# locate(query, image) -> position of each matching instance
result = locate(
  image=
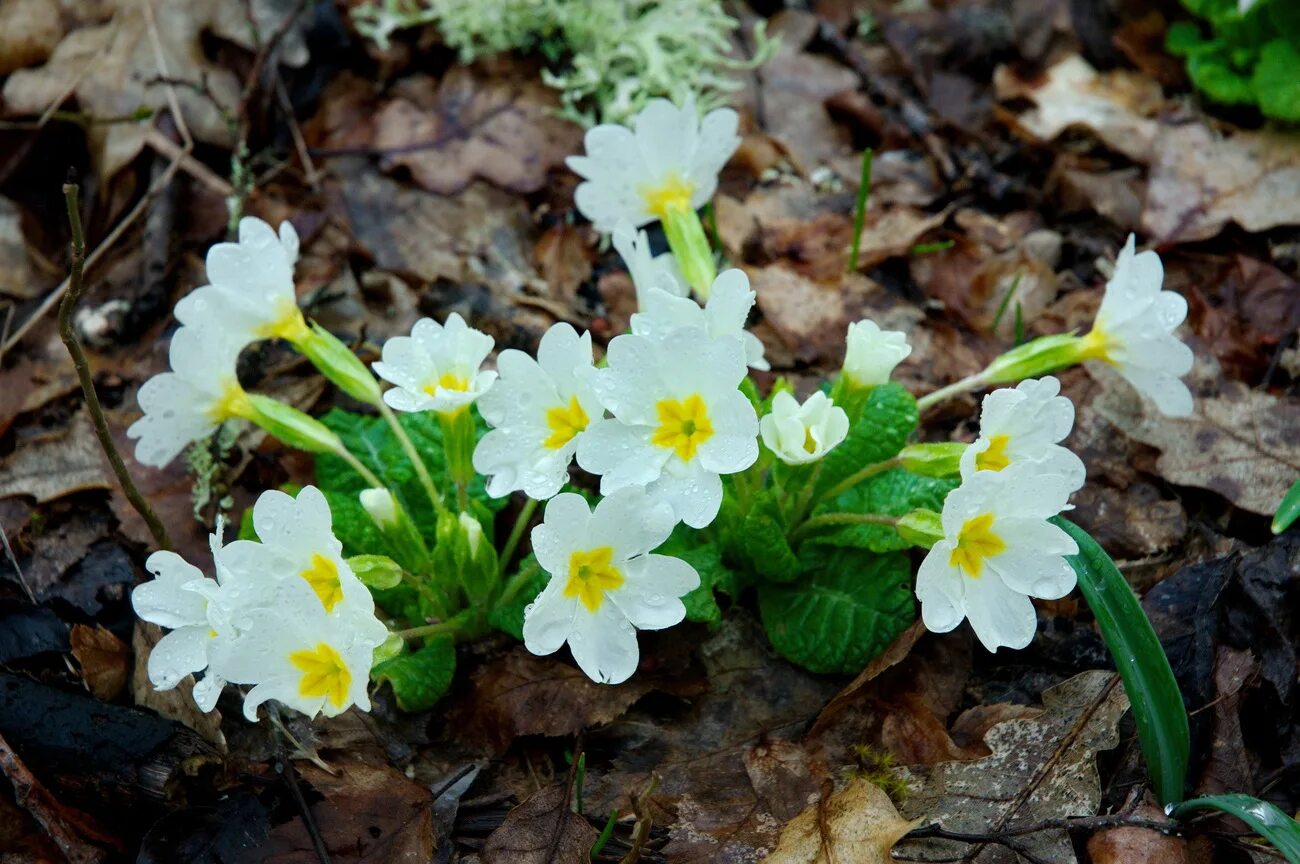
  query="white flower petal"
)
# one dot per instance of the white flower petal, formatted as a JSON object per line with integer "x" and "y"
{"x": 998, "y": 615}
{"x": 694, "y": 492}
{"x": 548, "y": 620}
{"x": 651, "y": 596}
{"x": 940, "y": 591}
{"x": 563, "y": 528}
{"x": 179, "y": 653}
{"x": 604, "y": 644}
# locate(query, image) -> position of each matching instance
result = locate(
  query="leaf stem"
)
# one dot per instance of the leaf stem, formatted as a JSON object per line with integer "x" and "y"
{"x": 408, "y": 447}
{"x": 356, "y": 465}
{"x": 517, "y": 582}
{"x": 970, "y": 382}
{"x": 832, "y": 519}
{"x": 860, "y": 210}
{"x": 852, "y": 480}
{"x": 448, "y": 628}
{"x": 71, "y": 195}
{"x": 517, "y": 532}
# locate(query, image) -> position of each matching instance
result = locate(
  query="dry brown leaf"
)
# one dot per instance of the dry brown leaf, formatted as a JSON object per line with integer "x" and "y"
{"x": 1117, "y": 106}
{"x": 494, "y": 120}
{"x": 33, "y": 381}
{"x": 1201, "y": 180}
{"x": 522, "y": 694}
{"x": 29, "y": 30}
{"x": 564, "y": 258}
{"x": 175, "y": 704}
{"x": 893, "y": 232}
{"x": 541, "y": 830}
{"x": 859, "y": 823}
{"x": 1241, "y": 444}
{"x": 56, "y": 464}
{"x": 810, "y": 317}
{"x": 1039, "y": 768}
{"x": 17, "y": 276}
{"x": 1138, "y": 845}
{"x": 105, "y": 660}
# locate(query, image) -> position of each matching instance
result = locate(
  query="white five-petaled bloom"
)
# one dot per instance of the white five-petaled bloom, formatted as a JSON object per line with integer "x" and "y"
{"x": 723, "y": 315}
{"x": 250, "y": 293}
{"x": 799, "y": 434}
{"x": 1134, "y": 331}
{"x": 1025, "y": 425}
{"x": 647, "y": 271}
{"x": 193, "y": 399}
{"x": 669, "y": 160}
{"x": 540, "y": 410}
{"x": 679, "y": 420}
{"x": 605, "y": 584}
{"x": 436, "y": 368}
{"x": 998, "y": 551}
{"x": 870, "y": 354}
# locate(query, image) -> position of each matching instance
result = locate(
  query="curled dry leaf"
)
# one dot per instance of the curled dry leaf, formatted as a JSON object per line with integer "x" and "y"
{"x": 56, "y": 464}
{"x": 105, "y": 660}
{"x": 1040, "y": 768}
{"x": 857, "y": 825}
{"x": 541, "y": 830}
{"x": 1137, "y": 845}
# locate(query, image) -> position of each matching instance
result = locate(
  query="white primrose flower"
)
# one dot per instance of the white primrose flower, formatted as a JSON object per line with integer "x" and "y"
{"x": 998, "y": 551}
{"x": 1134, "y": 331}
{"x": 540, "y": 410}
{"x": 799, "y": 434}
{"x": 250, "y": 293}
{"x": 669, "y": 160}
{"x": 1025, "y": 424}
{"x": 871, "y": 354}
{"x": 723, "y": 315}
{"x": 436, "y": 368}
{"x": 647, "y": 271}
{"x": 605, "y": 584}
{"x": 679, "y": 420}
{"x": 292, "y": 651}
{"x": 193, "y": 399}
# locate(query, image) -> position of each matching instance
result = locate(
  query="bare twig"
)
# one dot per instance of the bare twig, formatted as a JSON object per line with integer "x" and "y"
{"x": 284, "y": 765}
{"x": 70, "y": 298}
{"x": 641, "y": 830}
{"x": 13, "y": 562}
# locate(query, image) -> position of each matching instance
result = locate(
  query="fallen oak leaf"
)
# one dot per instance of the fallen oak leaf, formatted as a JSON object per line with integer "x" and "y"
{"x": 541, "y": 830}
{"x": 60, "y": 463}
{"x": 1040, "y": 768}
{"x": 857, "y": 825}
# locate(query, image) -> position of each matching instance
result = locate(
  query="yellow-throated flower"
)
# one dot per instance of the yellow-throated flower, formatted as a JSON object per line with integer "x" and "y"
{"x": 723, "y": 315}
{"x": 1134, "y": 332}
{"x": 998, "y": 550}
{"x": 1025, "y": 424}
{"x": 799, "y": 434}
{"x": 436, "y": 368}
{"x": 679, "y": 420}
{"x": 540, "y": 410}
{"x": 605, "y": 584}
{"x": 648, "y": 271}
{"x": 870, "y": 354}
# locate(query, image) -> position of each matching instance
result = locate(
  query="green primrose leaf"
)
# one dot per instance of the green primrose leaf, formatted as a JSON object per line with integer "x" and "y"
{"x": 1184, "y": 39}
{"x": 419, "y": 679}
{"x": 353, "y": 525}
{"x": 762, "y": 537}
{"x": 1157, "y": 703}
{"x": 1276, "y": 81}
{"x": 1289, "y": 510}
{"x": 1265, "y": 819}
{"x": 888, "y": 418}
{"x": 1214, "y": 76}
{"x": 844, "y": 610}
{"x": 892, "y": 493}
{"x": 508, "y": 617}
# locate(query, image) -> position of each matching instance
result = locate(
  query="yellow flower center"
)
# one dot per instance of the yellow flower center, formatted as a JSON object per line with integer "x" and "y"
{"x": 233, "y": 402}
{"x": 995, "y": 457}
{"x": 323, "y": 577}
{"x": 565, "y": 422}
{"x": 672, "y": 194}
{"x": 288, "y": 325}
{"x": 1097, "y": 345}
{"x": 683, "y": 425}
{"x": 591, "y": 575}
{"x": 975, "y": 542}
{"x": 447, "y": 381}
{"x": 323, "y": 674}
{"x": 809, "y": 442}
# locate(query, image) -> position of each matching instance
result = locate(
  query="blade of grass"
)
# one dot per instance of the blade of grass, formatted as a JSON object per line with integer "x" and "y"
{"x": 1006, "y": 300}
{"x": 1149, "y": 681}
{"x": 931, "y": 248}
{"x": 605, "y": 834}
{"x": 1289, "y": 510}
{"x": 860, "y": 209}
{"x": 1265, "y": 819}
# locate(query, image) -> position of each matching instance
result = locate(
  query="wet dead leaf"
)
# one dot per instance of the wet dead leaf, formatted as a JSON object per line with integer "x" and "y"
{"x": 1137, "y": 845}
{"x": 29, "y": 30}
{"x": 564, "y": 257}
{"x": 105, "y": 660}
{"x": 55, "y": 464}
{"x": 494, "y": 120}
{"x": 18, "y": 278}
{"x": 1241, "y": 444}
{"x": 1039, "y": 768}
{"x": 522, "y": 694}
{"x": 541, "y": 830}
{"x": 810, "y": 317}
{"x": 1201, "y": 180}
{"x": 175, "y": 704}
{"x": 858, "y": 825}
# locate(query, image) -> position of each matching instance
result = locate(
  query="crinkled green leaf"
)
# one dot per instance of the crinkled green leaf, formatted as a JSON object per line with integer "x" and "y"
{"x": 888, "y": 418}
{"x": 509, "y": 617}
{"x": 762, "y": 537}
{"x": 1184, "y": 39}
{"x": 1213, "y": 76}
{"x": 892, "y": 493}
{"x": 1277, "y": 81}
{"x": 419, "y": 679}
{"x": 353, "y": 525}
{"x": 705, "y": 556}
{"x": 844, "y": 611}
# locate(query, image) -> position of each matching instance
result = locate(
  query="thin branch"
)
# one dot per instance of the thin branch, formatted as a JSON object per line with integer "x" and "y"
{"x": 71, "y": 196}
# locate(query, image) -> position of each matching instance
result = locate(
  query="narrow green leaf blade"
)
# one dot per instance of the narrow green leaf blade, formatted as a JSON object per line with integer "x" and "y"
{"x": 1289, "y": 510}
{"x": 1149, "y": 681}
{"x": 1265, "y": 819}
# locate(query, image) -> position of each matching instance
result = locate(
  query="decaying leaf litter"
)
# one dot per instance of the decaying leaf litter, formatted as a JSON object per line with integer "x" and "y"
{"x": 1015, "y": 147}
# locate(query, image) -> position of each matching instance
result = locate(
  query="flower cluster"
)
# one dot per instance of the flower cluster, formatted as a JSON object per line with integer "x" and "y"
{"x": 285, "y": 616}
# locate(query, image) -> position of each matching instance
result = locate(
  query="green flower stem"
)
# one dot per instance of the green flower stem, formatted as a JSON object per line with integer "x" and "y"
{"x": 804, "y": 502}
{"x": 854, "y": 479}
{"x": 831, "y": 519}
{"x": 690, "y": 245}
{"x": 517, "y": 532}
{"x": 355, "y": 464}
{"x": 435, "y": 598}
{"x": 408, "y": 447}
{"x": 517, "y": 583}
{"x": 1265, "y": 819}
{"x": 971, "y": 382}
{"x": 458, "y": 440}
{"x": 463, "y": 621}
